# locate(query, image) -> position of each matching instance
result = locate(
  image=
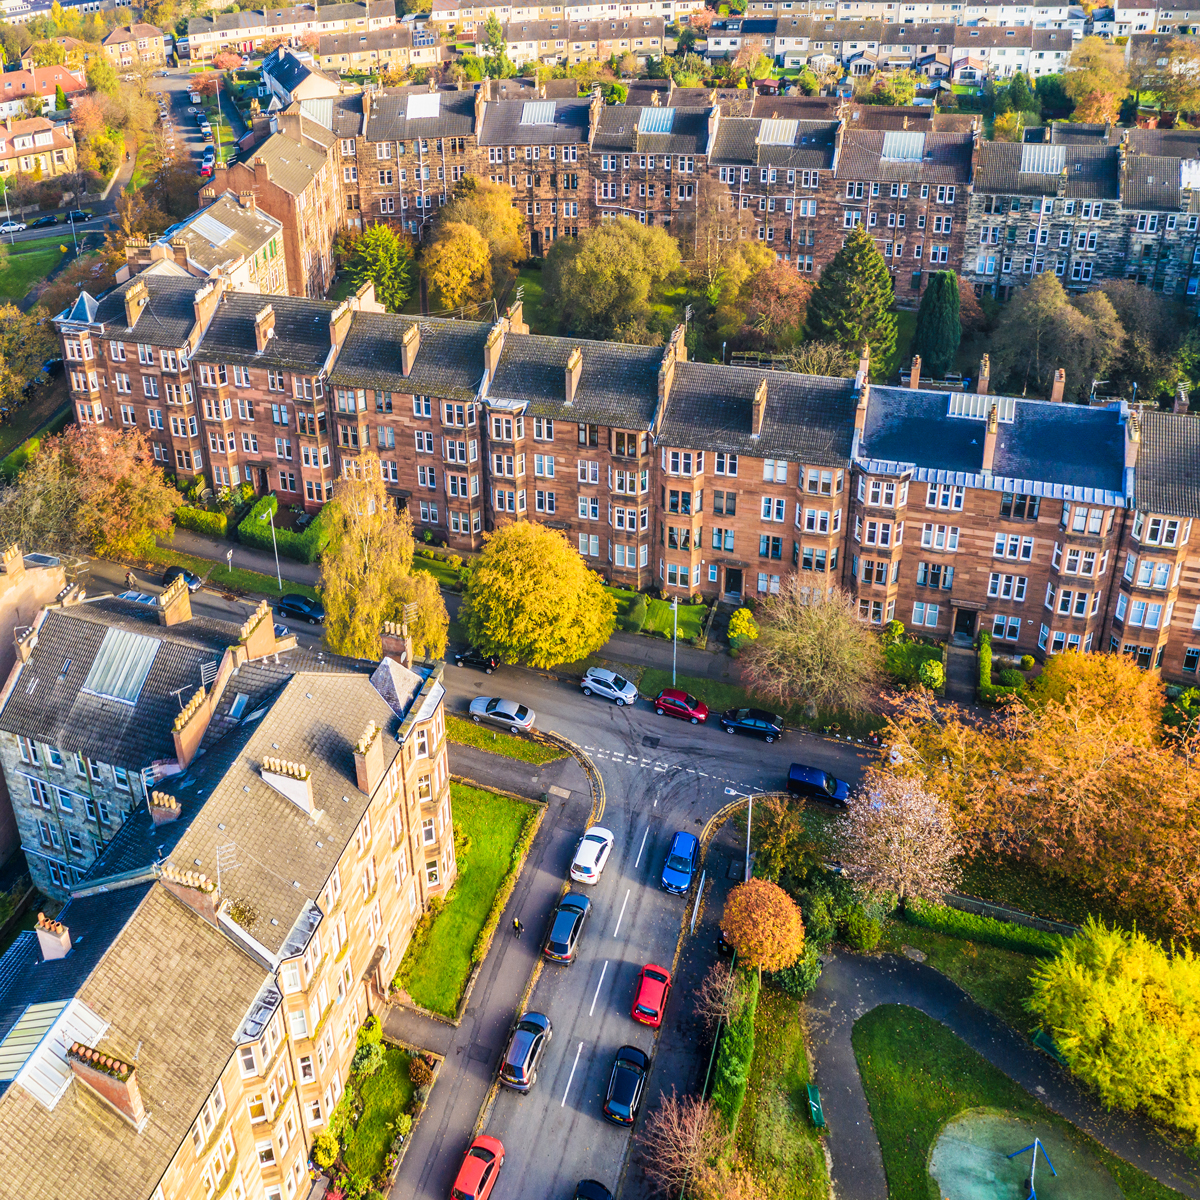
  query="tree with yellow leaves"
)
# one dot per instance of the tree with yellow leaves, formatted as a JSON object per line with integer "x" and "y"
{"x": 458, "y": 266}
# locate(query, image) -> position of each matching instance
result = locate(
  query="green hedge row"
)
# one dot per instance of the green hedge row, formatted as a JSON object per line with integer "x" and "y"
{"x": 989, "y": 693}
{"x": 956, "y": 923}
{"x": 734, "y": 1057}
{"x": 202, "y": 521}
{"x": 255, "y": 530}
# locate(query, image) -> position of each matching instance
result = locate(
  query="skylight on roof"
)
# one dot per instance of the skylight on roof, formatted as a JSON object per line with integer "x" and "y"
{"x": 1042, "y": 160}
{"x": 902, "y": 145}
{"x": 422, "y": 105}
{"x": 212, "y": 230}
{"x": 976, "y": 408}
{"x": 656, "y": 120}
{"x": 775, "y": 132}
{"x": 537, "y": 112}
{"x": 121, "y": 666}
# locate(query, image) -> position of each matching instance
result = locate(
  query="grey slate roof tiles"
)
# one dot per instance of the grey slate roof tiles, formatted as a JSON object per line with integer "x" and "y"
{"x": 504, "y": 125}
{"x": 946, "y": 158}
{"x": 1091, "y": 172}
{"x": 166, "y": 320}
{"x": 389, "y": 122}
{"x": 1151, "y": 182}
{"x": 301, "y": 338}
{"x": 1167, "y": 479}
{"x": 619, "y": 131}
{"x": 292, "y": 166}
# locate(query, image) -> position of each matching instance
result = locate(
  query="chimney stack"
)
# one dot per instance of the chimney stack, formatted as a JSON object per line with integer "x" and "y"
{"x": 864, "y": 361}
{"x": 194, "y": 889}
{"x": 985, "y": 375}
{"x": 1133, "y": 439}
{"x": 862, "y": 391}
{"x": 369, "y": 765}
{"x": 573, "y": 373}
{"x": 111, "y": 1080}
{"x": 256, "y": 635}
{"x": 206, "y": 299}
{"x": 248, "y": 200}
{"x": 175, "y": 602}
{"x": 396, "y": 643}
{"x": 189, "y": 727}
{"x": 914, "y": 374}
{"x": 1058, "y": 387}
{"x": 989, "y": 438}
{"x": 339, "y": 324}
{"x": 12, "y": 563}
{"x": 494, "y": 347}
{"x": 1182, "y": 400}
{"x": 760, "y": 408}
{"x": 163, "y": 808}
{"x": 290, "y": 779}
{"x": 54, "y": 938}
{"x": 137, "y": 296}
{"x": 410, "y": 343}
{"x": 264, "y": 326}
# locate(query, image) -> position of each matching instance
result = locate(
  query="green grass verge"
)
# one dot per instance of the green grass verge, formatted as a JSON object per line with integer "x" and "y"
{"x": 775, "y": 1136}
{"x": 1021, "y": 885}
{"x": 466, "y": 733}
{"x": 385, "y": 1095}
{"x": 436, "y": 965}
{"x": 24, "y": 263}
{"x": 443, "y": 572}
{"x": 917, "y": 1075}
{"x": 239, "y": 579}
{"x": 997, "y": 979}
{"x": 659, "y": 617}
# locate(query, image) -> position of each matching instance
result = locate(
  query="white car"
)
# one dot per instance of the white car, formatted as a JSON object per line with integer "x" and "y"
{"x": 609, "y": 684}
{"x": 11, "y": 226}
{"x": 514, "y": 716}
{"x": 591, "y": 854}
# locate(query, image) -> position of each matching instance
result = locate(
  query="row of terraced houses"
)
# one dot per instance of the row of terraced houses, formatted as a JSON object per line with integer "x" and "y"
{"x": 1055, "y": 526}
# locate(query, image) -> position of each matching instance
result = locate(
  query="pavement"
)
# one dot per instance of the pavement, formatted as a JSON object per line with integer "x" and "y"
{"x": 852, "y": 984}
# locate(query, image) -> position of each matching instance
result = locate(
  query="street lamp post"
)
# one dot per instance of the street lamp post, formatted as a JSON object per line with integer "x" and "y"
{"x": 749, "y": 817}
{"x": 7, "y": 215}
{"x": 675, "y": 636}
{"x": 274, "y": 546}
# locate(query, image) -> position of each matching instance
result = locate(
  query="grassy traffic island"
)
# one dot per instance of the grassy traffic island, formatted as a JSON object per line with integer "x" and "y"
{"x": 492, "y": 835}
{"x": 922, "y": 1081}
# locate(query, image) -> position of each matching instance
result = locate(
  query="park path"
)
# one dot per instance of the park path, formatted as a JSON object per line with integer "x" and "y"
{"x": 853, "y": 984}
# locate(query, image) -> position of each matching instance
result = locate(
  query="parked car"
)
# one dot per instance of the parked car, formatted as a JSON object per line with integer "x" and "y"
{"x": 566, "y": 927}
{"x": 681, "y": 863}
{"x": 516, "y": 717}
{"x": 12, "y": 226}
{"x": 591, "y": 1189}
{"x": 601, "y": 682}
{"x": 591, "y": 854}
{"x": 302, "y": 608}
{"x": 194, "y": 582}
{"x": 650, "y": 998}
{"x": 43, "y": 222}
{"x": 471, "y": 657}
{"x": 78, "y": 214}
{"x": 626, "y": 1085}
{"x": 480, "y": 1168}
{"x": 206, "y": 170}
{"x": 675, "y": 702}
{"x": 529, "y": 1038}
{"x": 816, "y": 784}
{"x": 755, "y": 721}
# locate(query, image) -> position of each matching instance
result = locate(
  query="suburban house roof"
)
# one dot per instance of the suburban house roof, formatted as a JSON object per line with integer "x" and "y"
{"x": 131, "y": 33}
{"x": 222, "y": 232}
{"x": 1167, "y": 479}
{"x": 300, "y": 337}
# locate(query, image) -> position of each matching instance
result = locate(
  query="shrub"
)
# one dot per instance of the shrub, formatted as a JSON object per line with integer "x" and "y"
{"x": 736, "y": 1052}
{"x": 368, "y": 1058}
{"x": 419, "y": 1071}
{"x": 932, "y": 674}
{"x": 861, "y": 931}
{"x": 202, "y": 521}
{"x": 305, "y": 546}
{"x": 819, "y": 925}
{"x": 402, "y": 1125}
{"x": 989, "y": 693}
{"x": 893, "y": 631}
{"x": 801, "y": 977}
{"x": 742, "y": 626}
{"x": 371, "y": 1031}
{"x": 636, "y": 620}
{"x": 953, "y": 922}
{"x": 1011, "y": 677}
{"x": 1028, "y": 662}
{"x": 325, "y": 1149}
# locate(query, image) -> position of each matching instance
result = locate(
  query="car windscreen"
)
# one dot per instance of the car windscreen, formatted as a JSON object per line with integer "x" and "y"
{"x": 830, "y": 784}
{"x": 679, "y": 862}
{"x": 619, "y": 684}
{"x": 691, "y": 701}
{"x": 492, "y": 704}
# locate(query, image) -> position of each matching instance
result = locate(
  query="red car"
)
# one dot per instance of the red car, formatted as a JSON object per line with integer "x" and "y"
{"x": 650, "y": 1000}
{"x": 674, "y": 702}
{"x": 480, "y": 1169}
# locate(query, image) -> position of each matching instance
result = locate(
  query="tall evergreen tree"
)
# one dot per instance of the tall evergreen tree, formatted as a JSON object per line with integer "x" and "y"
{"x": 939, "y": 329}
{"x": 1020, "y": 95}
{"x": 60, "y": 98}
{"x": 851, "y": 303}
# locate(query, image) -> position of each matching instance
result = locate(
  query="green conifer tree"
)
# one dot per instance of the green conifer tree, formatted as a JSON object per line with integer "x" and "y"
{"x": 60, "y": 98}
{"x": 851, "y": 303}
{"x": 938, "y": 327}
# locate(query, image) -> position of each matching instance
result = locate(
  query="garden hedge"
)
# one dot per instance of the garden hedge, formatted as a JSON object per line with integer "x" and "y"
{"x": 1007, "y": 936}
{"x": 305, "y": 547}
{"x": 989, "y": 693}
{"x": 734, "y": 1057}
{"x": 202, "y": 521}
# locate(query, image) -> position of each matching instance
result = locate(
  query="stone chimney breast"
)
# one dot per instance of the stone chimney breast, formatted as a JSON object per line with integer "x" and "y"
{"x": 54, "y": 938}
{"x": 573, "y": 373}
{"x": 264, "y": 326}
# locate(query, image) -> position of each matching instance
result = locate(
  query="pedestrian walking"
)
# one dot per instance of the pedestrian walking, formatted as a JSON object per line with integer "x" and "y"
{"x": 518, "y": 928}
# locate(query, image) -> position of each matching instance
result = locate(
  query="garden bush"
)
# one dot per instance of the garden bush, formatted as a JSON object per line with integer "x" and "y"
{"x": 932, "y": 674}
{"x": 368, "y": 1058}
{"x": 214, "y": 524}
{"x": 325, "y": 1149}
{"x": 988, "y": 692}
{"x": 636, "y": 620}
{"x": 419, "y": 1071}
{"x": 305, "y": 546}
{"x": 953, "y": 922}
{"x": 1028, "y": 662}
{"x": 860, "y": 930}
{"x": 734, "y": 1056}
{"x": 1011, "y": 677}
{"x": 801, "y": 977}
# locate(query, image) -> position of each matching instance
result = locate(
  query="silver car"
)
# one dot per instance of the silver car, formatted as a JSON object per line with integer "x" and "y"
{"x": 515, "y": 717}
{"x": 610, "y": 685}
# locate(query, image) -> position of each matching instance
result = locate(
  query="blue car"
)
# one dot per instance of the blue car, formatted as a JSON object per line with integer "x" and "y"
{"x": 681, "y": 863}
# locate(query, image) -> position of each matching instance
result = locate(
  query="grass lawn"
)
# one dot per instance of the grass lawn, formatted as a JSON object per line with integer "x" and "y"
{"x": 659, "y": 618}
{"x": 237, "y": 580}
{"x": 385, "y": 1095}
{"x": 50, "y": 406}
{"x": 1023, "y": 886}
{"x": 534, "y": 301}
{"x": 466, "y": 733}
{"x": 443, "y": 572}
{"x": 436, "y": 965}
{"x": 27, "y": 263}
{"x": 898, "y": 360}
{"x": 997, "y": 979}
{"x": 917, "y": 1075}
{"x": 774, "y": 1134}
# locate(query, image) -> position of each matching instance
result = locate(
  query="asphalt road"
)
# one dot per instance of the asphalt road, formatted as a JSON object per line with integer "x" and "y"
{"x": 660, "y": 775}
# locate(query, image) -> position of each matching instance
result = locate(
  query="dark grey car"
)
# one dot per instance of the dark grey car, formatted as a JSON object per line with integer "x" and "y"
{"x": 526, "y": 1043}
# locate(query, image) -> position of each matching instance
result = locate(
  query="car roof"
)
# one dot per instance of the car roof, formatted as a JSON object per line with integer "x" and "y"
{"x": 575, "y": 902}
{"x": 590, "y": 849}
{"x": 592, "y": 1189}
{"x": 800, "y": 771}
{"x": 633, "y": 1054}
{"x": 683, "y": 839}
{"x": 674, "y": 694}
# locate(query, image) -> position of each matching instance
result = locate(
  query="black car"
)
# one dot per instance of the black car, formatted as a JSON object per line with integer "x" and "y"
{"x": 42, "y": 222}
{"x": 626, "y": 1085}
{"x": 526, "y": 1043}
{"x": 76, "y": 215}
{"x": 301, "y": 607}
{"x": 755, "y": 721}
{"x": 567, "y": 924}
{"x": 194, "y": 582}
{"x": 816, "y": 784}
{"x": 476, "y": 658}
{"x": 591, "y": 1189}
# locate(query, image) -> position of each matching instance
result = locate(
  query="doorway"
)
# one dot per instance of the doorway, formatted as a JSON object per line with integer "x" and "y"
{"x": 733, "y": 582}
{"x": 964, "y": 624}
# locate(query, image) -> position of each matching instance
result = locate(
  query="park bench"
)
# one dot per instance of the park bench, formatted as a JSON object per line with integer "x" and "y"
{"x": 814, "y": 1107}
{"x": 1045, "y": 1043}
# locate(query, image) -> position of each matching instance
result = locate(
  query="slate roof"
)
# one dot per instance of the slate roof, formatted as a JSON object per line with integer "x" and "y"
{"x": 449, "y": 361}
{"x": 808, "y": 418}
{"x": 292, "y": 166}
{"x": 1083, "y": 133}
{"x": 1055, "y": 446}
{"x": 973, "y": 37}
{"x": 289, "y": 71}
{"x": 1184, "y": 143}
{"x": 257, "y": 18}
{"x": 800, "y": 108}
{"x": 618, "y": 386}
{"x": 1151, "y": 182}
{"x": 733, "y": 102}
{"x": 619, "y": 130}
{"x": 1167, "y": 479}
{"x": 47, "y": 704}
{"x": 223, "y": 231}
{"x": 166, "y": 320}
{"x": 392, "y": 37}
{"x": 916, "y": 36}
{"x": 946, "y": 158}
{"x": 131, "y": 33}
{"x": 737, "y": 141}
{"x": 1091, "y": 172}
{"x": 388, "y": 120}
{"x": 342, "y": 115}
{"x": 301, "y": 338}
{"x": 502, "y": 124}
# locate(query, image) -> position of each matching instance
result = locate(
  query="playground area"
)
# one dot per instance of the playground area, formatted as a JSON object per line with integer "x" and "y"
{"x": 978, "y": 1156}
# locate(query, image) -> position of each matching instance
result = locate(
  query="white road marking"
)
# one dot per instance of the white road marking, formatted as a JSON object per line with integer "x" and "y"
{"x": 571, "y": 1076}
{"x": 641, "y": 848}
{"x": 622, "y": 915}
{"x": 594, "y": 998}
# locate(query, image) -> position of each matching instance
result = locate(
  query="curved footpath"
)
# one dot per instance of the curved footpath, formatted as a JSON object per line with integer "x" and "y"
{"x": 852, "y": 984}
